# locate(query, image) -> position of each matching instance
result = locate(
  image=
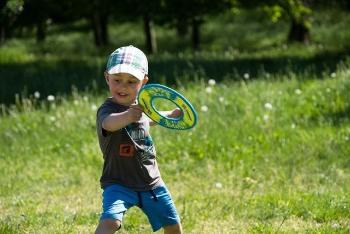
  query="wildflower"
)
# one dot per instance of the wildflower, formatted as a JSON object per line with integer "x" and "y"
{"x": 268, "y": 106}
{"x": 76, "y": 102}
{"x": 211, "y": 82}
{"x": 333, "y": 74}
{"x": 221, "y": 99}
{"x": 208, "y": 89}
{"x": 292, "y": 126}
{"x": 298, "y": 91}
{"x": 36, "y": 94}
{"x": 335, "y": 225}
{"x": 93, "y": 107}
{"x": 204, "y": 108}
{"x": 52, "y": 118}
{"x": 218, "y": 185}
{"x": 51, "y": 98}
{"x": 250, "y": 180}
{"x": 246, "y": 76}
{"x": 266, "y": 117}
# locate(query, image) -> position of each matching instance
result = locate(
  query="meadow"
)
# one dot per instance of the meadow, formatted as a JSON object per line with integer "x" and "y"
{"x": 270, "y": 152}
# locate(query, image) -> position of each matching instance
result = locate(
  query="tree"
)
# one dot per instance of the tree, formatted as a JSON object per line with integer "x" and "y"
{"x": 9, "y": 12}
{"x": 38, "y": 13}
{"x": 147, "y": 12}
{"x": 297, "y": 12}
{"x": 185, "y": 13}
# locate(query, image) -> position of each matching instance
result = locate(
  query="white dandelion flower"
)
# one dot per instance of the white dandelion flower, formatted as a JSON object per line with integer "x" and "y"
{"x": 208, "y": 90}
{"x": 246, "y": 76}
{"x": 52, "y": 118}
{"x": 218, "y": 185}
{"x": 221, "y": 99}
{"x": 266, "y": 117}
{"x": 37, "y": 94}
{"x": 51, "y": 98}
{"x": 211, "y": 82}
{"x": 93, "y": 107}
{"x": 335, "y": 225}
{"x": 204, "y": 108}
{"x": 298, "y": 91}
{"x": 268, "y": 106}
{"x": 333, "y": 74}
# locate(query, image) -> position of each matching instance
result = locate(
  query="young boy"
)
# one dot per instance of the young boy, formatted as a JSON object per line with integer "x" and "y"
{"x": 130, "y": 173}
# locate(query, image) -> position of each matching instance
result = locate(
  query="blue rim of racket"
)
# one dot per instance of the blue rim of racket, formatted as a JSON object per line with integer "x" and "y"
{"x": 152, "y": 92}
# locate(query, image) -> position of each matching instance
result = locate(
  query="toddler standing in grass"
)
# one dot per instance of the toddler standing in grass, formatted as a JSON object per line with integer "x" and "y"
{"x": 130, "y": 175}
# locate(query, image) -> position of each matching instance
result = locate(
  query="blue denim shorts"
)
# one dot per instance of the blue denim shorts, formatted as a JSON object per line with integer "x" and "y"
{"x": 157, "y": 204}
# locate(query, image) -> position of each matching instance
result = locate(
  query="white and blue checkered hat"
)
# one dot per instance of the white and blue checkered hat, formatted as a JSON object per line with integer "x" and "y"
{"x": 128, "y": 59}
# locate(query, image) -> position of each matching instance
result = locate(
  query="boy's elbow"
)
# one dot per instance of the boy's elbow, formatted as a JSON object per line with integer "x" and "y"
{"x": 106, "y": 126}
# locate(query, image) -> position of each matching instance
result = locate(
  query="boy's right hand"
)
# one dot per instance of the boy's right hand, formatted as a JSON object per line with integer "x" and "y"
{"x": 135, "y": 112}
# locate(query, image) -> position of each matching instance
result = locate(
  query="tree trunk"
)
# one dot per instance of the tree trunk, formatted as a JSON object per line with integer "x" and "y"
{"x": 40, "y": 31}
{"x": 196, "y": 33}
{"x": 181, "y": 28}
{"x": 151, "y": 43}
{"x": 298, "y": 32}
{"x": 100, "y": 30}
{"x": 2, "y": 34}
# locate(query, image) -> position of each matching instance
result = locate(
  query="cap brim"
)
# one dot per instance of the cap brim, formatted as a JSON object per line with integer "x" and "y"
{"x": 126, "y": 68}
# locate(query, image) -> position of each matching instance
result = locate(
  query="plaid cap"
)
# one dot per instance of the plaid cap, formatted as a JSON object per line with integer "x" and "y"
{"x": 128, "y": 59}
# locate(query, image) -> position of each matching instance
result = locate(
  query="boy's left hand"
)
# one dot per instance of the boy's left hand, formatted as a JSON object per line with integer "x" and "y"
{"x": 176, "y": 113}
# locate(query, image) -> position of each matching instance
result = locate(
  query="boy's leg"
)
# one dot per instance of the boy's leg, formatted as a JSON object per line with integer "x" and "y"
{"x": 108, "y": 226}
{"x": 160, "y": 210}
{"x": 116, "y": 201}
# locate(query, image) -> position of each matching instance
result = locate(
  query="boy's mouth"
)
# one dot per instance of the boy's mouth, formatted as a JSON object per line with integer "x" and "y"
{"x": 122, "y": 94}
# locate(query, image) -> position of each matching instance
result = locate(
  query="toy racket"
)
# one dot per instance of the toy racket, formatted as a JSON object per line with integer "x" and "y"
{"x": 149, "y": 93}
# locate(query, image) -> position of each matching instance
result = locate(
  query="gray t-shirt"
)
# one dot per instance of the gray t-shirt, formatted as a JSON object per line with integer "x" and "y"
{"x": 129, "y": 154}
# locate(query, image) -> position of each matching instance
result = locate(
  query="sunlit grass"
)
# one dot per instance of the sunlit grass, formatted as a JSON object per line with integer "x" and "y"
{"x": 266, "y": 156}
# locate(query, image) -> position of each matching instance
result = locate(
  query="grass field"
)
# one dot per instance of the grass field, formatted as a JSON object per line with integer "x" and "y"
{"x": 270, "y": 153}
{"x": 265, "y": 157}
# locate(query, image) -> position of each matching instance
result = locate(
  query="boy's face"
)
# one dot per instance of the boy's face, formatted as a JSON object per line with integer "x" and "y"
{"x": 124, "y": 87}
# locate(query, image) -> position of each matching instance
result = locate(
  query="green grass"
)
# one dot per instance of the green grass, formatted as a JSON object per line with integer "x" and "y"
{"x": 270, "y": 153}
{"x": 247, "y": 167}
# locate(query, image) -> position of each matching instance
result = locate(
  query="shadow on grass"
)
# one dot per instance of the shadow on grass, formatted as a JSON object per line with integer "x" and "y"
{"x": 59, "y": 76}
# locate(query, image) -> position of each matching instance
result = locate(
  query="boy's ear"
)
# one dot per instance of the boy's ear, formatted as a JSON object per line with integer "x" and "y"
{"x": 106, "y": 77}
{"x": 145, "y": 80}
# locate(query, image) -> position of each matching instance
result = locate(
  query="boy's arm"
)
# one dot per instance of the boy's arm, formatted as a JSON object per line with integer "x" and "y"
{"x": 116, "y": 121}
{"x": 170, "y": 114}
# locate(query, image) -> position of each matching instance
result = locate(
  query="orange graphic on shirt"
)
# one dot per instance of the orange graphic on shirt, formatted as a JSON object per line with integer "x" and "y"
{"x": 126, "y": 150}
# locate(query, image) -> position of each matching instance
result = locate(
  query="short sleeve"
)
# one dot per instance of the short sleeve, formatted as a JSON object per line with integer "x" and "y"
{"x": 102, "y": 113}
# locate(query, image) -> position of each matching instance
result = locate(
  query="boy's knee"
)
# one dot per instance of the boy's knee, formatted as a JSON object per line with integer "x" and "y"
{"x": 114, "y": 224}
{"x": 173, "y": 229}
{"x": 108, "y": 226}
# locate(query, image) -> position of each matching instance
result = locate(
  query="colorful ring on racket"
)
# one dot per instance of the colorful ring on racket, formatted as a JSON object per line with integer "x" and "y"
{"x": 151, "y": 92}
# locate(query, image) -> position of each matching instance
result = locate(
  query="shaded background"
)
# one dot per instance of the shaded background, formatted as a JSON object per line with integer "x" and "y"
{"x": 51, "y": 46}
